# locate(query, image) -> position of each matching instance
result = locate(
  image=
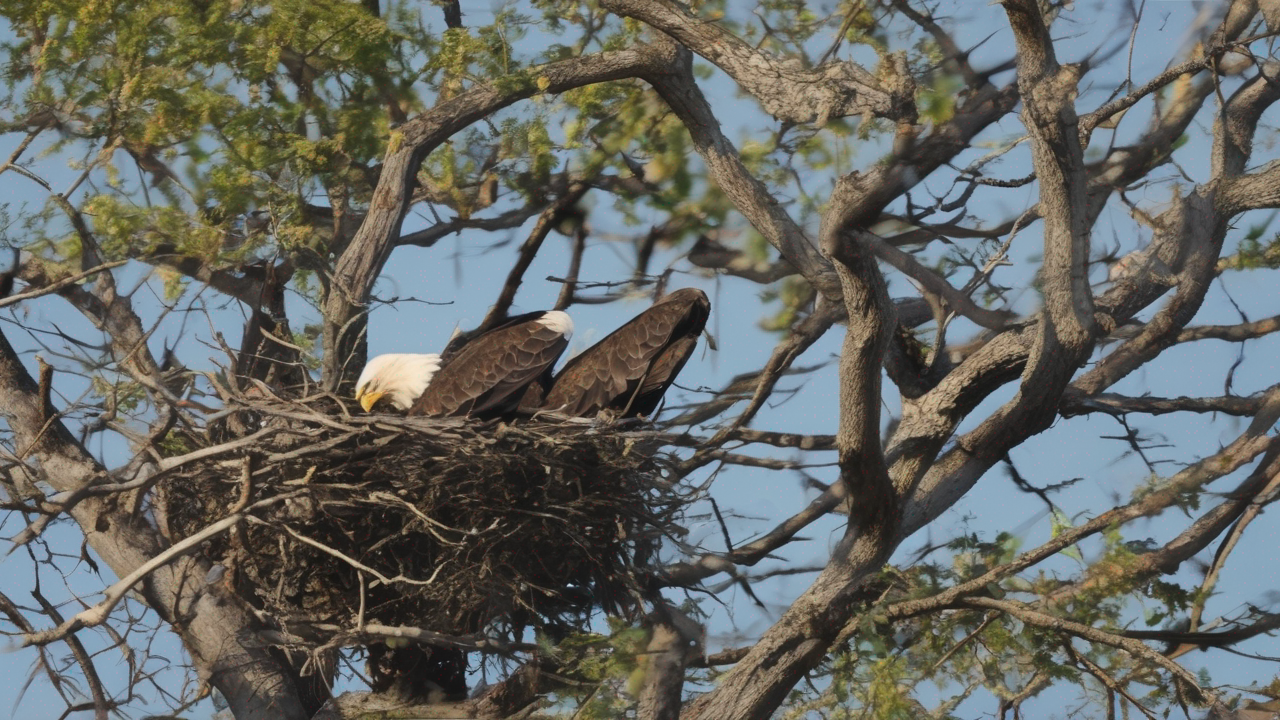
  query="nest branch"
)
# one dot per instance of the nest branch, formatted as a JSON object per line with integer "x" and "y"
{"x": 364, "y": 528}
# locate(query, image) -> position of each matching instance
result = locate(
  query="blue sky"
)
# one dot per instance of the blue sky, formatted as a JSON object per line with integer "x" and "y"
{"x": 758, "y": 498}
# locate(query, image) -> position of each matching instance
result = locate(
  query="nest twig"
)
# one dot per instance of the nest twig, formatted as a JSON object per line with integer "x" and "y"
{"x": 452, "y": 526}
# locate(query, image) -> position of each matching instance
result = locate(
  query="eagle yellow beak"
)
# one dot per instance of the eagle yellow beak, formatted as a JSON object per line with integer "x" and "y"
{"x": 369, "y": 399}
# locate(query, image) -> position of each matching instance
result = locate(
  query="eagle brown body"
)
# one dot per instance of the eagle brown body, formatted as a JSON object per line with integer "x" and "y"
{"x": 629, "y": 371}
{"x": 490, "y": 375}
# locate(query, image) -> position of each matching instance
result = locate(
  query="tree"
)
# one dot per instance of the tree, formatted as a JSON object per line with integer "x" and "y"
{"x": 266, "y": 157}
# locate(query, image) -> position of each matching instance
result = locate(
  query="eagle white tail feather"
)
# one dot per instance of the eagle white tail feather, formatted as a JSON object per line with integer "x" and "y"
{"x": 559, "y": 322}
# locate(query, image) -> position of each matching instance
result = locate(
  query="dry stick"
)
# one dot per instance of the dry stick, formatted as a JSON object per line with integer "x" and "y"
{"x": 528, "y": 250}
{"x": 1220, "y": 558}
{"x": 430, "y": 522}
{"x": 990, "y": 618}
{"x": 360, "y": 614}
{"x": 101, "y": 705}
{"x": 570, "y": 286}
{"x": 174, "y": 463}
{"x": 1133, "y": 647}
{"x": 97, "y": 614}
{"x": 14, "y": 613}
{"x": 802, "y": 337}
{"x": 352, "y": 561}
{"x": 246, "y": 484}
{"x": 57, "y": 285}
{"x": 1103, "y": 677}
{"x": 1229, "y": 459}
{"x": 997, "y": 257}
{"x": 426, "y": 637}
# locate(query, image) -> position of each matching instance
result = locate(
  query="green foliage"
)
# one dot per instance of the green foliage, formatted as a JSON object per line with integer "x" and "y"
{"x": 174, "y": 444}
{"x": 795, "y": 295}
{"x": 1255, "y": 255}
{"x": 610, "y": 665}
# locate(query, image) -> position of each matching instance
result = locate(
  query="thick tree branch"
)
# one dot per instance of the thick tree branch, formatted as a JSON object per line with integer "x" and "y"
{"x": 1048, "y": 91}
{"x": 1254, "y": 191}
{"x": 749, "y": 195}
{"x": 759, "y": 682}
{"x": 1232, "y": 333}
{"x": 786, "y": 91}
{"x": 1188, "y": 238}
{"x": 1077, "y": 404}
{"x": 675, "y": 642}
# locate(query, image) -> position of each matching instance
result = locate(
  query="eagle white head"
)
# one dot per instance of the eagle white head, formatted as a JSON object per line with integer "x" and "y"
{"x": 399, "y": 377}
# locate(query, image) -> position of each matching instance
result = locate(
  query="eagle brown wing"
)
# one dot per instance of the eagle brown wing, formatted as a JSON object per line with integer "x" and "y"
{"x": 661, "y": 374}
{"x": 631, "y": 368}
{"x": 490, "y": 374}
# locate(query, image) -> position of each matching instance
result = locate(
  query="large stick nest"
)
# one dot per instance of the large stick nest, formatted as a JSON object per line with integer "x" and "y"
{"x": 449, "y": 525}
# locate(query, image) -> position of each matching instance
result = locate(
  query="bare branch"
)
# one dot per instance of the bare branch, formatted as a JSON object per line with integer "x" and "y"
{"x": 361, "y": 262}
{"x": 1255, "y": 505}
{"x": 1076, "y": 404}
{"x": 126, "y": 544}
{"x": 59, "y": 284}
{"x": 428, "y": 237}
{"x": 1048, "y": 622}
{"x": 677, "y": 87}
{"x": 787, "y": 92}
{"x": 1231, "y": 333}
{"x": 98, "y": 614}
{"x": 1104, "y": 678}
{"x": 548, "y": 220}
{"x": 101, "y": 705}
{"x": 961, "y": 303}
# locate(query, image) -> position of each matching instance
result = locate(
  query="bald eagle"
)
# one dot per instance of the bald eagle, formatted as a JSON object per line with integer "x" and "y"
{"x": 397, "y": 378}
{"x": 628, "y": 371}
{"x": 488, "y": 377}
